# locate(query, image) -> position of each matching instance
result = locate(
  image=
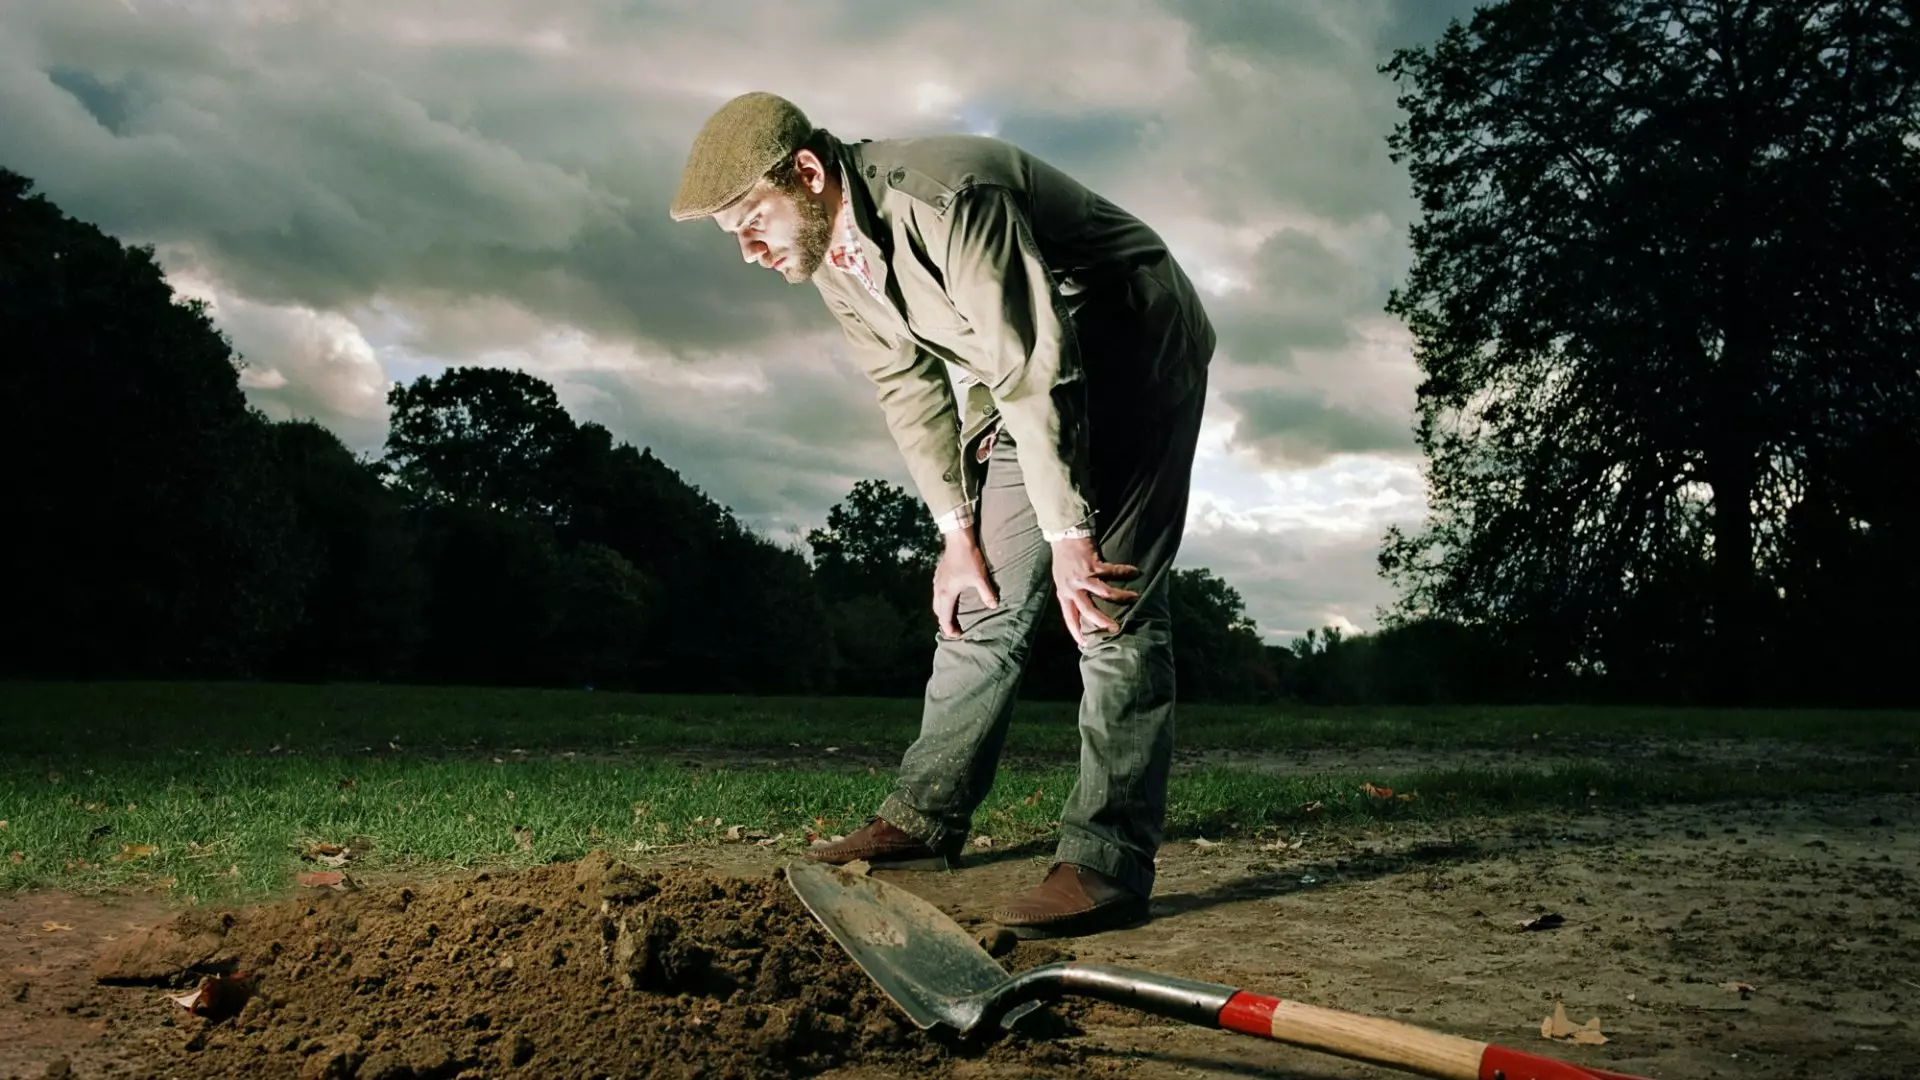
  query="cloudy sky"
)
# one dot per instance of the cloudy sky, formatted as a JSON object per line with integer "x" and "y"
{"x": 372, "y": 190}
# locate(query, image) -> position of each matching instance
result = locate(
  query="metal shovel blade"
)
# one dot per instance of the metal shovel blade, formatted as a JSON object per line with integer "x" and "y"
{"x": 920, "y": 958}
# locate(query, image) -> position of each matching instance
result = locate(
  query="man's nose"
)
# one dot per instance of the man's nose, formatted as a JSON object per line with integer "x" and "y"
{"x": 750, "y": 249}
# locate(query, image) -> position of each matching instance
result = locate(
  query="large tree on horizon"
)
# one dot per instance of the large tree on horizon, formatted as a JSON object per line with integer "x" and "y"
{"x": 1664, "y": 295}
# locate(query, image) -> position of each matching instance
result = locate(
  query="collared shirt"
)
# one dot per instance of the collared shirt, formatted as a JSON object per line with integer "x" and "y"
{"x": 847, "y": 255}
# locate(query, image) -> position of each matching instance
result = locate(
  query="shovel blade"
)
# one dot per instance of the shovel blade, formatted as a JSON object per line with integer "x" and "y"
{"x": 919, "y": 957}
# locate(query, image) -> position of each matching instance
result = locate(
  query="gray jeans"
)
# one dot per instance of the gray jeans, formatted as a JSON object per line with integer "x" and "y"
{"x": 1115, "y": 814}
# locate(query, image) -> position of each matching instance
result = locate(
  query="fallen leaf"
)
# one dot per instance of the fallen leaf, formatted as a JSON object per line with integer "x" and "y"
{"x": 129, "y": 852}
{"x": 1743, "y": 989}
{"x": 983, "y": 841}
{"x": 1312, "y": 807}
{"x": 1204, "y": 844}
{"x": 1543, "y": 922}
{"x": 321, "y": 879}
{"x": 3, "y": 824}
{"x": 1033, "y": 799}
{"x": 733, "y": 833}
{"x": 346, "y": 784}
{"x": 216, "y": 998}
{"x": 523, "y": 838}
{"x": 1377, "y": 792}
{"x": 833, "y": 749}
{"x": 55, "y": 927}
{"x": 860, "y": 867}
{"x": 16, "y": 857}
{"x": 1558, "y": 1026}
{"x": 323, "y": 848}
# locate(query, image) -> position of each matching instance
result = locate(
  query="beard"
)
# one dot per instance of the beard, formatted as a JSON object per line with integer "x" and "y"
{"x": 811, "y": 239}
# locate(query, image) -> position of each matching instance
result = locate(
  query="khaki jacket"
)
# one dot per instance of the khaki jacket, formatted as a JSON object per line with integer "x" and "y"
{"x": 1045, "y": 301}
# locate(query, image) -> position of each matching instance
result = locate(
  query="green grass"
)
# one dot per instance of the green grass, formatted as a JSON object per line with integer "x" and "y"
{"x": 102, "y": 720}
{"x": 212, "y": 792}
{"x": 236, "y": 827}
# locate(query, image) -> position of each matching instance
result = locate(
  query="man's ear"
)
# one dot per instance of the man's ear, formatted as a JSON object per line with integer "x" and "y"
{"x": 812, "y": 170}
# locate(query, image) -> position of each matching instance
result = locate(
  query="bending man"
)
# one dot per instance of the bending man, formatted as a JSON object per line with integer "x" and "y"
{"x": 1041, "y": 361}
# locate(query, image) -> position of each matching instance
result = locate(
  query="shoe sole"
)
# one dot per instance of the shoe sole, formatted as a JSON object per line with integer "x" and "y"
{"x": 1097, "y": 921}
{"x": 930, "y": 862}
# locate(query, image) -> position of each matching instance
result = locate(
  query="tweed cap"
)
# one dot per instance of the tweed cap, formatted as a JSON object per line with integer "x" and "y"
{"x": 738, "y": 144}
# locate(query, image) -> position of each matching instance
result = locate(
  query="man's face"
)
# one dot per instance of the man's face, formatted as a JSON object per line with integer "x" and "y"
{"x": 786, "y": 231}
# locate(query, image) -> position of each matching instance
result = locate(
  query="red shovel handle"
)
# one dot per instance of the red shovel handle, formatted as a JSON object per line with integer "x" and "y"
{"x": 1392, "y": 1043}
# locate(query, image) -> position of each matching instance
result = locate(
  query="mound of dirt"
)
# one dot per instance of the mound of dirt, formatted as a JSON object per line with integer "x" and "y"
{"x": 575, "y": 969}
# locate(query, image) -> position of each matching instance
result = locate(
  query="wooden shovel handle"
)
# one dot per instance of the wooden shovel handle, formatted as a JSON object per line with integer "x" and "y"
{"x": 1392, "y": 1043}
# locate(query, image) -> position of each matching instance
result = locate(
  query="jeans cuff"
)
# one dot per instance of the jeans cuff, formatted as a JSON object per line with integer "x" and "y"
{"x": 928, "y": 831}
{"x": 1116, "y": 862}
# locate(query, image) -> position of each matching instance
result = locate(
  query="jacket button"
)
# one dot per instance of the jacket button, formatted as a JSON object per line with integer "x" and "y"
{"x": 947, "y": 476}
{"x": 870, "y": 171}
{"x": 939, "y": 202}
{"x": 897, "y": 175}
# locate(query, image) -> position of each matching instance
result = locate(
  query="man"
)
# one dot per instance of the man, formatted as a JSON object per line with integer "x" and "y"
{"x": 1041, "y": 362}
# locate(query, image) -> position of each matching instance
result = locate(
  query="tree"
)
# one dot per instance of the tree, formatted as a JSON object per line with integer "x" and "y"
{"x": 881, "y": 539}
{"x": 147, "y": 532}
{"x": 874, "y": 563}
{"x": 1217, "y": 652}
{"x": 361, "y": 614}
{"x": 487, "y": 438}
{"x": 1662, "y": 282}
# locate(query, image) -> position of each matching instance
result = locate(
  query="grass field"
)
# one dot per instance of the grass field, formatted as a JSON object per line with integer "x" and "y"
{"x": 215, "y": 791}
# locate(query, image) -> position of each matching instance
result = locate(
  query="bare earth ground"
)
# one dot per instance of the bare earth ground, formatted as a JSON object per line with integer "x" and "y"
{"x": 699, "y": 963}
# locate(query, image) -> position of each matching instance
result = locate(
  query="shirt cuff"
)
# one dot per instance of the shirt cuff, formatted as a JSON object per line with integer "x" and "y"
{"x": 955, "y": 520}
{"x": 1078, "y": 532}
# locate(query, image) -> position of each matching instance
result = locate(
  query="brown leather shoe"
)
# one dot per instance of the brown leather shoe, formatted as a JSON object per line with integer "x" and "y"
{"x": 1073, "y": 900}
{"x": 885, "y": 848}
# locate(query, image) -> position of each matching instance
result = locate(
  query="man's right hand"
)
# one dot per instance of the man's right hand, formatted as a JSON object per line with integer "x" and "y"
{"x": 960, "y": 568}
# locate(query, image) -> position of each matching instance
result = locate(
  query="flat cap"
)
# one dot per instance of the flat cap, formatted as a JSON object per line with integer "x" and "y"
{"x": 738, "y": 144}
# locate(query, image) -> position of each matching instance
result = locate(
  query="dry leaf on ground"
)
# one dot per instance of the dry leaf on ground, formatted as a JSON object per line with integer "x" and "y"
{"x": 129, "y": 852}
{"x": 733, "y": 833}
{"x": 523, "y": 838}
{"x": 1741, "y": 988}
{"x": 1543, "y": 922}
{"x": 16, "y": 857}
{"x": 1559, "y": 1027}
{"x": 322, "y": 879}
{"x": 216, "y": 998}
{"x": 56, "y": 927}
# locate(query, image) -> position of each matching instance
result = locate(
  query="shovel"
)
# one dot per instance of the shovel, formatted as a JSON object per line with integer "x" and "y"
{"x": 941, "y": 977}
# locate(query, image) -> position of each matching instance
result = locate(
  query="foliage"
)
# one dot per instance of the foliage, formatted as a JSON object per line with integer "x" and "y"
{"x": 149, "y": 533}
{"x": 1664, "y": 300}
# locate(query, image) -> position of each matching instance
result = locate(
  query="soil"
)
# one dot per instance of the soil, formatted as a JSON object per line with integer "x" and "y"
{"x": 1758, "y": 940}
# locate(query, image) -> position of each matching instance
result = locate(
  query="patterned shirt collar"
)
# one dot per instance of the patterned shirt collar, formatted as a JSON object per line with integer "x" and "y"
{"x": 847, "y": 253}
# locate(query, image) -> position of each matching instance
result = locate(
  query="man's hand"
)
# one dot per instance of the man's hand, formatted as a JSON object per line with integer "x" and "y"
{"x": 960, "y": 568}
{"x": 1078, "y": 576}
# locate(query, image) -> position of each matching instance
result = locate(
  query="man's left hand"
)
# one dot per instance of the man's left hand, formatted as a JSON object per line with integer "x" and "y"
{"x": 1078, "y": 577}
